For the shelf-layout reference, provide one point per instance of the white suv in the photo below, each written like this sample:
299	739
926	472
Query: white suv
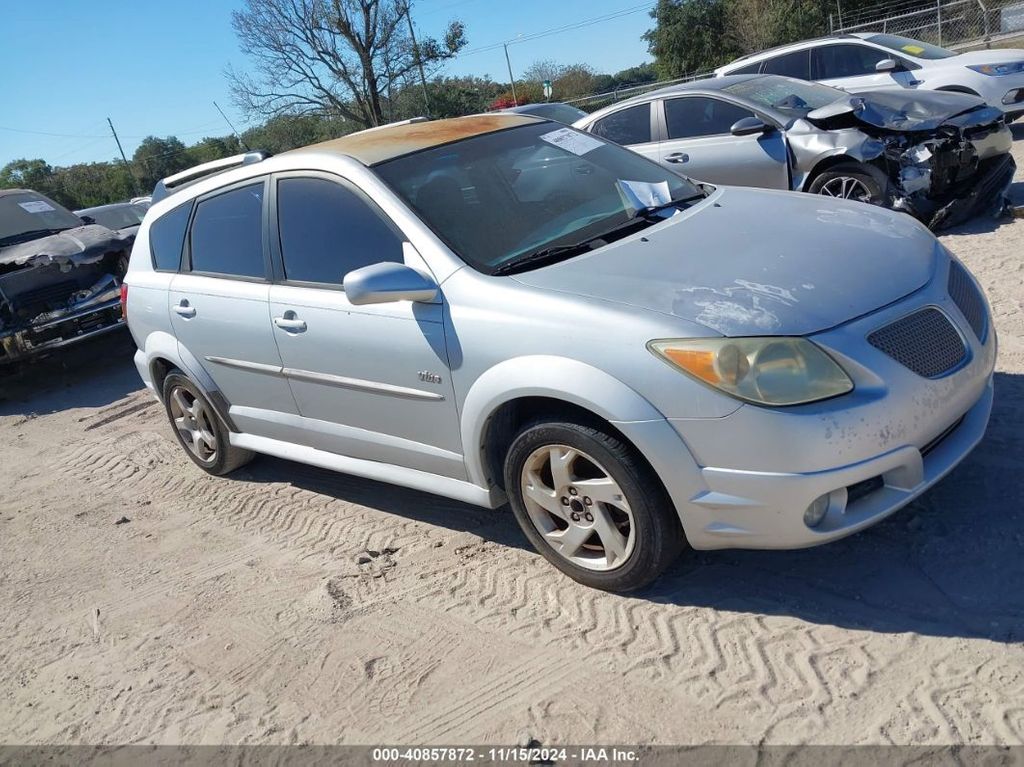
867	61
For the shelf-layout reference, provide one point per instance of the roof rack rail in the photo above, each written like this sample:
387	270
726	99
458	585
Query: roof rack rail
410	121
189	176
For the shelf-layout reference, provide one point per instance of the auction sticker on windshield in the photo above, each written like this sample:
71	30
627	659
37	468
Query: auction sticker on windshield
36	206
571	141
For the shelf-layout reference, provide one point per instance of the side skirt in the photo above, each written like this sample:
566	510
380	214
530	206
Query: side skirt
396	475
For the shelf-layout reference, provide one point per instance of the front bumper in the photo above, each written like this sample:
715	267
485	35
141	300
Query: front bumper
987	190
72	328
764	510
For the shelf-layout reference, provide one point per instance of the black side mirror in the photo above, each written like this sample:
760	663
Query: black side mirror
88	219
748	126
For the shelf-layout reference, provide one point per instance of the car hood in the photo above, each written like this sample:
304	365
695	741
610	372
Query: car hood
81	245
909	110
991	56
751	262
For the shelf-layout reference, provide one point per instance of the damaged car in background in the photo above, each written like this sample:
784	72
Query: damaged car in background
60	279
942	157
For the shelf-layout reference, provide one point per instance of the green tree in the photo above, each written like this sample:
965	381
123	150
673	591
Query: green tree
690	36
157	158
279	134
755	25
213	148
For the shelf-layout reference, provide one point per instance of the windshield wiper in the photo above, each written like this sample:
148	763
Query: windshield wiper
543	256
652	209
640	218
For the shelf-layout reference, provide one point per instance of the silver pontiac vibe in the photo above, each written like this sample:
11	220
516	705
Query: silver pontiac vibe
501	308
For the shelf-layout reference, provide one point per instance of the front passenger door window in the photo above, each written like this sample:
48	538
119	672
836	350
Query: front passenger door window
328	230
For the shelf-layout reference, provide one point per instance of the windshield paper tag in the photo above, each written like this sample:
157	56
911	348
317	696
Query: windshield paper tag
643	194
36	206
572	141
913	50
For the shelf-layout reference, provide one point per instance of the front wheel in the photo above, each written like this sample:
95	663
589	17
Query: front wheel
591	506
853	181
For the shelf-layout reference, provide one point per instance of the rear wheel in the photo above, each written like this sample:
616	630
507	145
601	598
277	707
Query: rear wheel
853	181
198	429
591	505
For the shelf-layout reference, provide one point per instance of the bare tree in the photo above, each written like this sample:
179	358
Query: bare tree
339	58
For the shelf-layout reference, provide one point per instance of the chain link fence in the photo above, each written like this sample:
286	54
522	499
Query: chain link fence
951	24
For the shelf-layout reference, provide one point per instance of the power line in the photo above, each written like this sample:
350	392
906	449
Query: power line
57	135
564	28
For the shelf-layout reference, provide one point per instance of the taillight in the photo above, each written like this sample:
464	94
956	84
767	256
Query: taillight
124	301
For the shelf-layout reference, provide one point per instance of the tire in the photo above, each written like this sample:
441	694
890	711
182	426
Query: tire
865	183
640	525
212	452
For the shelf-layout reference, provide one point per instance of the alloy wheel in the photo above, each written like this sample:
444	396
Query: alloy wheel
192	420
847	188
578	507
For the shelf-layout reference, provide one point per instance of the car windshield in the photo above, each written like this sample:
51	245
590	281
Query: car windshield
563	113
910	47
503	196
24	215
116	216
784	94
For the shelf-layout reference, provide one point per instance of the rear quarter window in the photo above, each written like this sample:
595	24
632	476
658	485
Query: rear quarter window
167	237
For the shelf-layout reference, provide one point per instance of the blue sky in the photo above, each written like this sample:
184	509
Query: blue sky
155	68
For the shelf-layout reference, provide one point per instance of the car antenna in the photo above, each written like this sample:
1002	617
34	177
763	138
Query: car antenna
238	136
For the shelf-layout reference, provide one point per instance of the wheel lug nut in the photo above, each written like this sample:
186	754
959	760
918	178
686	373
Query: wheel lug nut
587	501
573	491
565	501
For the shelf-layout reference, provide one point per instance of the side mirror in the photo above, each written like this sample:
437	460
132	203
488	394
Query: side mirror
887	65
748	126
88	219
388	282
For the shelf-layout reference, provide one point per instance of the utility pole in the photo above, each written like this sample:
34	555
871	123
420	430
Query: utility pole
127	167
237	135
419	61
515	101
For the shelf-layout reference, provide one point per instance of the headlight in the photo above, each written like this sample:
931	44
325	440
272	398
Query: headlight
765	371
997	70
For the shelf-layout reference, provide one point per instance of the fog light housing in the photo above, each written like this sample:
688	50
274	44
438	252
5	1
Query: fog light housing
1014	97
816	511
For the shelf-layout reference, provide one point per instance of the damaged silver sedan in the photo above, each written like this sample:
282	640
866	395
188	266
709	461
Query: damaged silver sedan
942	157
60	279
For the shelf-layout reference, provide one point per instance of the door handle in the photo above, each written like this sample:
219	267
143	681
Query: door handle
185	309
290	322
678	157
914	83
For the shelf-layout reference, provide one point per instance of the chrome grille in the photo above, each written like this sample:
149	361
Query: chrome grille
968	300
925	341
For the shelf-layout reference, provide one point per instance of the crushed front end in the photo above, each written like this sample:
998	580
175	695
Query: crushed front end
60	290
946	155
948	175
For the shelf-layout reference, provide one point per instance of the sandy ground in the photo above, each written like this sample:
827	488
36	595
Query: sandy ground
234	610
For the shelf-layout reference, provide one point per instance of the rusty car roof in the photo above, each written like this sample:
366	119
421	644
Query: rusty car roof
377	145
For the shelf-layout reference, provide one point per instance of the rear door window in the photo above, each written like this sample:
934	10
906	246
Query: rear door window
328	230
695	116
627	126
227	233
795	64
846	60
750	69
167	236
